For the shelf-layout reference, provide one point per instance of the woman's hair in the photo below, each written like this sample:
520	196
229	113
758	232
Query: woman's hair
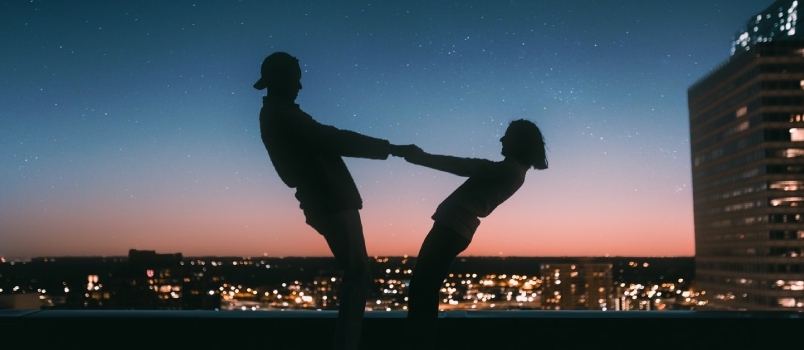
527	143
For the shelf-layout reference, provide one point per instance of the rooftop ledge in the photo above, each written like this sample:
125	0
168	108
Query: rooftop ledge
464	329
464	314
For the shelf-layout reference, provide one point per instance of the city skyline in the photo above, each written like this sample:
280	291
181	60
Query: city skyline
169	281
134	125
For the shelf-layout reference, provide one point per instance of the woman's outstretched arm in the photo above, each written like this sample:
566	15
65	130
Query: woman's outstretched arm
455	165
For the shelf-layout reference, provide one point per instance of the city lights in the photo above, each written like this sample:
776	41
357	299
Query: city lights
548	287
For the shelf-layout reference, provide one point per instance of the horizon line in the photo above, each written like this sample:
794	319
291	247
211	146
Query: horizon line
370	256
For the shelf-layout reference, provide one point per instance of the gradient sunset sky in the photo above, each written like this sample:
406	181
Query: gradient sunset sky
133	124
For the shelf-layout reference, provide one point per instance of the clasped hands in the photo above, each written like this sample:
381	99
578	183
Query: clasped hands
405	151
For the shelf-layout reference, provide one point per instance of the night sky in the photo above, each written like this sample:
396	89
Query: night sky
134	124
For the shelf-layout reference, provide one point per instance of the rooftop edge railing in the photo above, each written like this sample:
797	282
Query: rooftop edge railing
465	329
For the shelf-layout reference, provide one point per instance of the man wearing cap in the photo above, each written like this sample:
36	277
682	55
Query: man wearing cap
307	155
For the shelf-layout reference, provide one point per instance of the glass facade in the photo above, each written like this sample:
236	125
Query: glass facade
747	146
778	21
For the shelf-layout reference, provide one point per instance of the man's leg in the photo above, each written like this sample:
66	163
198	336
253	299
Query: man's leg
439	249
344	234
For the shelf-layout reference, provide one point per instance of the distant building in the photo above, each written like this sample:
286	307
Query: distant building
327	288
199	291
96	296
747	143
150	281
777	22
583	286
27	301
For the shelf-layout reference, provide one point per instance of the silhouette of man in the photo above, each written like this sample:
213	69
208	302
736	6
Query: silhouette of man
307	156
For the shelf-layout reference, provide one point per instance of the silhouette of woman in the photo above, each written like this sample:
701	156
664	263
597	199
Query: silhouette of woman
489	184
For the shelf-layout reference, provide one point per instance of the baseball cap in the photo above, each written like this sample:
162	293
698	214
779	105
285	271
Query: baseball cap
278	65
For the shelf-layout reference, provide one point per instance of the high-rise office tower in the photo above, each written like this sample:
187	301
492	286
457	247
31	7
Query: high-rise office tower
778	22
747	143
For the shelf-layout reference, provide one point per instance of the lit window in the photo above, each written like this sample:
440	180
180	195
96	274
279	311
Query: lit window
796	134
793	152
787	185
787	201
744	109
787	302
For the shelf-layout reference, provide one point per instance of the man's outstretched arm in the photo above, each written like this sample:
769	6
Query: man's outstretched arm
311	134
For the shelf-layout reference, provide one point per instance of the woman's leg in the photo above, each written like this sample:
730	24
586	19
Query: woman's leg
344	234
439	249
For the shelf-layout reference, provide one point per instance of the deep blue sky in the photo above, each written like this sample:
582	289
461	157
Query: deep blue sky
133	124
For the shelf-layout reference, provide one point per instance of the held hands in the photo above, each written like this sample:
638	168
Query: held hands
405	151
